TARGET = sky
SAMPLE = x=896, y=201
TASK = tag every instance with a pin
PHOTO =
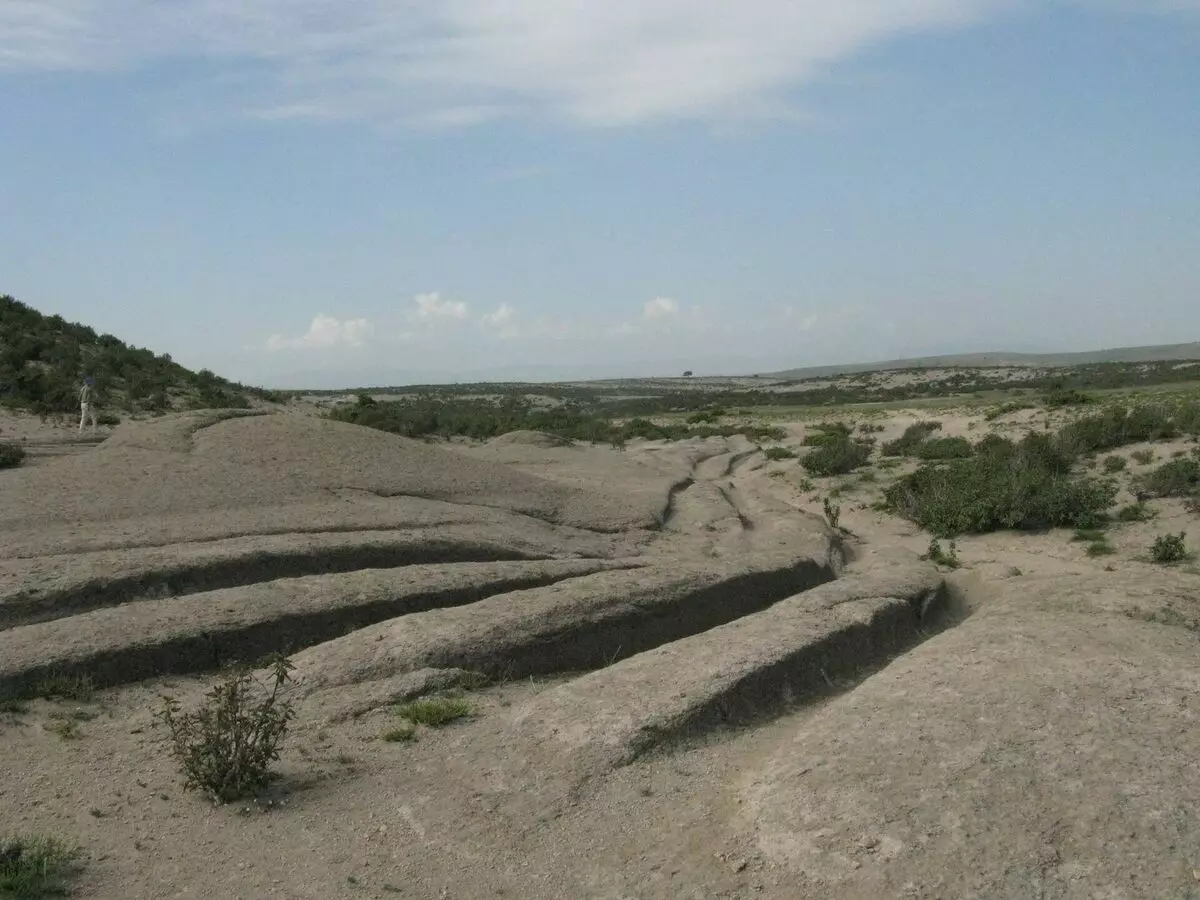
x=336, y=193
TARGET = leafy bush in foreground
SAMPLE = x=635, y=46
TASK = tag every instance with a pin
x=1114, y=464
x=1169, y=548
x=11, y=454
x=226, y=748
x=1024, y=486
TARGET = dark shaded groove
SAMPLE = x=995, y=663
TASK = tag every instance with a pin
x=727, y=496
x=811, y=671
x=210, y=650
x=184, y=578
x=588, y=643
x=668, y=512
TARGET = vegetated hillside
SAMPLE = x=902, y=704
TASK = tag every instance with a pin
x=1155, y=353
x=44, y=358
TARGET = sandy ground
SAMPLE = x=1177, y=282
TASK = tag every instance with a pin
x=1034, y=738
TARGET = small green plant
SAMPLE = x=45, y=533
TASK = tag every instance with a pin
x=1169, y=548
x=943, y=557
x=33, y=866
x=66, y=729
x=434, y=711
x=79, y=688
x=404, y=733
x=1135, y=512
x=1144, y=457
x=833, y=512
x=12, y=454
x=777, y=453
x=1101, y=548
x=1114, y=464
x=1088, y=535
x=226, y=747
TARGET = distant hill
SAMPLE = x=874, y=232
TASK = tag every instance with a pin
x=44, y=358
x=1156, y=353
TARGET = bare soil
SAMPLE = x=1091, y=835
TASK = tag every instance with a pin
x=697, y=688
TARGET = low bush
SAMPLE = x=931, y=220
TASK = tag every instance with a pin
x=914, y=435
x=12, y=454
x=1114, y=464
x=939, y=557
x=1169, y=548
x=1135, y=512
x=226, y=747
x=1024, y=486
x=1059, y=397
x=1004, y=409
x=837, y=456
x=1142, y=457
x=1177, y=478
x=778, y=453
x=434, y=711
x=825, y=432
x=1101, y=548
x=944, y=448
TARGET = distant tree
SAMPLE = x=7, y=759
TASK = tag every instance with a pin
x=687, y=374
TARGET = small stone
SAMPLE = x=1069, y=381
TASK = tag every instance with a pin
x=740, y=865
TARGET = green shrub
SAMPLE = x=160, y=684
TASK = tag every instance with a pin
x=826, y=432
x=1114, y=464
x=1169, y=548
x=434, y=711
x=1101, y=548
x=226, y=747
x=1006, y=408
x=837, y=456
x=34, y=866
x=914, y=435
x=1135, y=512
x=404, y=733
x=944, y=448
x=1144, y=457
x=1089, y=535
x=1058, y=397
x=777, y=453
x=12, y=454
x=1025, y=486
x=108, y=420
x=1177, y=478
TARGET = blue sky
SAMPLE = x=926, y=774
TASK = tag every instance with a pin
x=322, y=192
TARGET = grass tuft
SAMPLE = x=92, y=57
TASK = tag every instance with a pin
x=33, y=866
x=434, y=711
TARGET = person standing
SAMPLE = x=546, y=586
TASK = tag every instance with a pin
x=87, y=404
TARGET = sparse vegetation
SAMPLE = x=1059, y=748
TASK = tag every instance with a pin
x=12, y=454
x=1101, y=548
x=944, y=448
x=1006, y=408
x=1114, y=464
x=1176, y=478
x=1169, y=548
x=404, y=733
x=1135, y=512
x=1144, y=457
x=61, y=686
x=943, y=557
x=779, y=453
x=434, y=712
x=914, y=435
x=34, y=866
x=225, y=749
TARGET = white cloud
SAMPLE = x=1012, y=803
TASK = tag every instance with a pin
x=431, y=308
x=660, y=308
x=324, y=333
x=461, y=62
